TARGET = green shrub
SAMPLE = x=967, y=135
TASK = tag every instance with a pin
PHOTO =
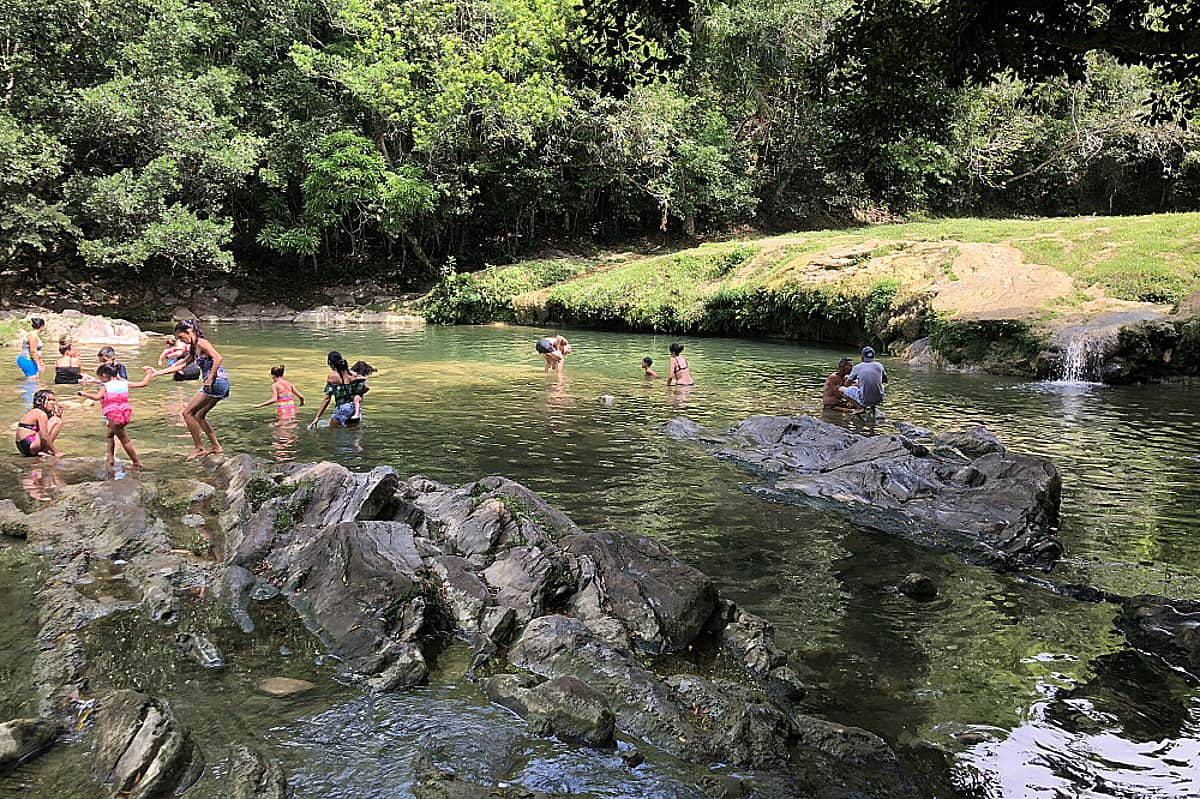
x=474, y=298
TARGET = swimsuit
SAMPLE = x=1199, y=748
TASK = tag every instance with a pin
x=683, y=368
x=343, y=399
x=115, y=405
x=67, y=375
x=220, y=384
x=25, y=360
x=285, y=406
x=25, y=445
x=545, y=346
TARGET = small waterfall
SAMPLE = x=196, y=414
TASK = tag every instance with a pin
x=1083, y=360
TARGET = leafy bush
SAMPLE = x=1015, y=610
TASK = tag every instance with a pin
x=474, y=298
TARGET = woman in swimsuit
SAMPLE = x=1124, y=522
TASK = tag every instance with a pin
x=68, y=369
x=339, y=387
x=213, y=389
x=679, y=373
x=39, y=426
x=30, y=359
x=283, y=395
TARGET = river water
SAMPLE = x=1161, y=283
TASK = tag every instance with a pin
x=1031, y=694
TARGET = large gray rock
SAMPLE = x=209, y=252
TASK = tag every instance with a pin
x=966, y=494
x=252, y=776
x=1169, y=628
x=142, y=751
x=563, y=706
x=21, y=739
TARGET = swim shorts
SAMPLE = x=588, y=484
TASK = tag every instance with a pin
x=853, y=393
x=545, y=346
x=342, y=413
x=27, y=365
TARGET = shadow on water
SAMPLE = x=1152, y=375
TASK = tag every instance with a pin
x=993, y=675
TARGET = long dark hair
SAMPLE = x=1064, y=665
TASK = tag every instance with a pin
x=189, y=326
x=363, y=368
x=338, y=364
x=39, y=399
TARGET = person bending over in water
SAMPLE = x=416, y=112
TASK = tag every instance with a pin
x=68, y=369
x=30, y=359
x=339, y=387
x=39, y=426
x=831, y=396
x=646, y=370
x=172, y=351
x=679, y=374
x=213, y=389
x=361, y=371
x=866, y=379
x=283, y=395
x=555, y=350
x=113, y=397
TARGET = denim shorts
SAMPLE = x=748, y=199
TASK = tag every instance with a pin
x=342, y=413
x=219, y=390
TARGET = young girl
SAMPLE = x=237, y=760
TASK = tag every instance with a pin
x=113, y=397
x=339, y=387
x=213, y=389
x=283, y=394
x=68, y=369
x=647, y=363
x=107, y=355
x=39, y=426
x=679, y=373
x=172, y=351
x=30, y=359
x=362, y=370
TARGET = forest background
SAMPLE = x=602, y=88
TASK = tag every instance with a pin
x=411, y=137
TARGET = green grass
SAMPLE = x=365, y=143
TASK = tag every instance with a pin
x=486, y=296
x=9, y=331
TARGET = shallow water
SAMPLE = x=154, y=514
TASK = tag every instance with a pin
x=1033, y=693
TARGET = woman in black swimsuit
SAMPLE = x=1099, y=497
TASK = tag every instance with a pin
x=68, y=369
x=39, y=426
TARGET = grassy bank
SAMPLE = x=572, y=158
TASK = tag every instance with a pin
x=984, y=289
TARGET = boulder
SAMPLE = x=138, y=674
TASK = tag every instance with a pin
x=433, y=782
x=284, y=686
x=966, y=494
x=252, y=776
x=563, y=706
x=22, y=739
x=918, y=586
x=1169, y=628
x=142, y=751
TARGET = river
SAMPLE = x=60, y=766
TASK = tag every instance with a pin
x=1032, y=694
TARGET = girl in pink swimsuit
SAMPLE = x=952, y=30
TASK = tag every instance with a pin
x=283, y=396
x=113, y=397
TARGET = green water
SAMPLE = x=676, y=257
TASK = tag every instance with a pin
x=1033, y=694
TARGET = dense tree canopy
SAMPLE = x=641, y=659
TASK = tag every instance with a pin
x=204, y=135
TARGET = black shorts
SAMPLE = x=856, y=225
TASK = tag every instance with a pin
x=545, y=346
x=25, y=446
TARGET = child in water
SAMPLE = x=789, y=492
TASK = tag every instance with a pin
x=283, y=395
x=646, y=370
x=172, y=351
x=107, y=355
x=361, y=371
x=113, y=397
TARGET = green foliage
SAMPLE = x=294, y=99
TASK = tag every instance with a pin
x=999, y=346
x=474, y=298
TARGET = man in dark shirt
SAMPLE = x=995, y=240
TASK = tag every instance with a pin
x=831, y=396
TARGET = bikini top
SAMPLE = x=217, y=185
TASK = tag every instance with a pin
x=205, y=362
x=28, y=426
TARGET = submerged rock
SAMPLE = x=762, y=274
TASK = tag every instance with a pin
x=21, y=739
x=1167, y=627
x=252, y=776
x=283, y=686
x=918, y=586
x=142, y=751
x=966, y=493
x=199, y=649
x=433, y=782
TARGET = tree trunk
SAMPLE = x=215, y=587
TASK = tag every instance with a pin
x=419, y=252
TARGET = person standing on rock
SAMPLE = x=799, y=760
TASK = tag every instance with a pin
x=867, y=379
x=213, y=389
x=30, y=359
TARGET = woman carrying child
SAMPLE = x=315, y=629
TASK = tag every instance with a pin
x=113, y=397
x=213, y=389
x=339, y=387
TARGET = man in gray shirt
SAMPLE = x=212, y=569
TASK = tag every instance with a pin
x=868, y=377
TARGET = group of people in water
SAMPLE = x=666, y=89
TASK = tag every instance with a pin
x=189, y=355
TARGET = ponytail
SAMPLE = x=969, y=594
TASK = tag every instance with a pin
x=190, y=326
x=338, y=364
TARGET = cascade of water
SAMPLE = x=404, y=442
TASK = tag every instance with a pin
x=1083, y=361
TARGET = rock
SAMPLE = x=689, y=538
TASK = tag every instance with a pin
x=252, y=776
x=662, y=603
x=22, y=739
x=199, y=649
x=745, y=729
x=142, y=751
x=283, y=686
x=461, y=589
x=752, y=641
x=918, y=586
x=193, y=520
x=725, y=786
x=607, y=400
x=1169, y=628
x=526, y=579
x=432, y=782
x=631, y=756
x=198, y=492
x=1002, y=513
x=563, y=706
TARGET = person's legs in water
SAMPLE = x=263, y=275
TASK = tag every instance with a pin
x=112, y=445
x=127, y=445
x=199, y=401
x=554, y=361
x=357, y=408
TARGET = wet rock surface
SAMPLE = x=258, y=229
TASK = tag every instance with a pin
x=142, y=751
x=963, y=491
x=1169, y=628
x=22, y=739
x=252, y=776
